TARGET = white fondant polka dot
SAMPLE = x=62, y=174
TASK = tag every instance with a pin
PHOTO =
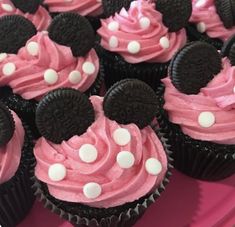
x=113, y=42
x=200, y=3
x=8, y=69
x=133, y=47
x=88, y=153
x=164, y=42
x=45, y=32
x=57, y=172
x=121, y=136
x=201, y=27
x=50, y=76
x=113, y=26
x=153, y=166
x=92, y=190
x=33, y=48
x=7, y=7
x=75, y=77
x=134, y=4
x=206, y=119
x=125, y=159
x=88, y=67
x=3, y=56
x=144, y=22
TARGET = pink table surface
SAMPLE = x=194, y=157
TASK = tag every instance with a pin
x=186, y=202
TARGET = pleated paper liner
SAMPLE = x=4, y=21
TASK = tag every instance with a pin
x=16, y=195
x=199, y=159
x=83, y=215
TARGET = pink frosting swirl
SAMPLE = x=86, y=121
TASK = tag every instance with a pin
x=28, y=80
x=204, y=11
x=142, y=24
x=118, y=185
x=83, y=7
x=217, y=97
x=41, y=18
x=10, y=154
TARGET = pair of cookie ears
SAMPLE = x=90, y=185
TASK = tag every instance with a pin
x=68, y=29
x=196, y=64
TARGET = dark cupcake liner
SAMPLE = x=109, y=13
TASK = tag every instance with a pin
x=16, y=195
x=194, y=35
x=199, y=159
x=116, y=69
x=125, y=215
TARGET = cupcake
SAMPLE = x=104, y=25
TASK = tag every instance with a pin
x=32, y=10
x=99, y=162
x=199, y=109
x=212, y=21
x=15, y=160
x=140, y=42
x=62, y=57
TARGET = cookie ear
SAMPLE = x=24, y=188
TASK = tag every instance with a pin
x=27, y=6
x=176, y=13
x=64, y=113
x=194, y=66
x=228, y=50
x=15, y=31
x=74, y=31
x=7, y=125
x=130, y=101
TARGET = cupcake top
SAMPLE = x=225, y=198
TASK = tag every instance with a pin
x=213, y=18
x=105, y=154
x=200, y=92
x=147, y=32
x=33, y=11
x=11, y=143
x=54, y=59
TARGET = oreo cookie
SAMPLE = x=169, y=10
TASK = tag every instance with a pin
x=27, y=6
x=176, y=13
x=64, y=113
x=7, y=125
x=15, y=31
x=130, y=101
x=232, y=55
x=228, y=49
x=194, y=66
x=74, y=31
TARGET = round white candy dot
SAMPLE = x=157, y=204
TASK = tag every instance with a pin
x=153, y=166
x=57, y=172
x=201, y=27
x=164, y=42
x=121, y=136
x=200, y=3
x=33, y=48
x=206, y=119
x=133, y=47
x=7, y=7
x=144, y=22
x=92, y=190
x=75, y=77
x=8, y=69
x=50, y=76
x=113, y=26
x=88, y=68
x=125, y=159
x=3, y=56
x=113, y=42
x=88, y=153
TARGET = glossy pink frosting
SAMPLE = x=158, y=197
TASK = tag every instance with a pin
x=28, y=78
x=207, y=14
x=217, y=97
x=10, y=154
x=119, y=185
x=41, y=19
x=83, y=7
x=148, y=38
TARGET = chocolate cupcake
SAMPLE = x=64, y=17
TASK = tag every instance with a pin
x=198, y=114
x=139, y=42
x=99, y=162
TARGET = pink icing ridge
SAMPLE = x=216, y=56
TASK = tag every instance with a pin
x=28, y=78
x=10, y=154
x=83, y=7
x=130, y=30
x=41, y=19
x=217, y=97
x=119, y=186
x=214, y=26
